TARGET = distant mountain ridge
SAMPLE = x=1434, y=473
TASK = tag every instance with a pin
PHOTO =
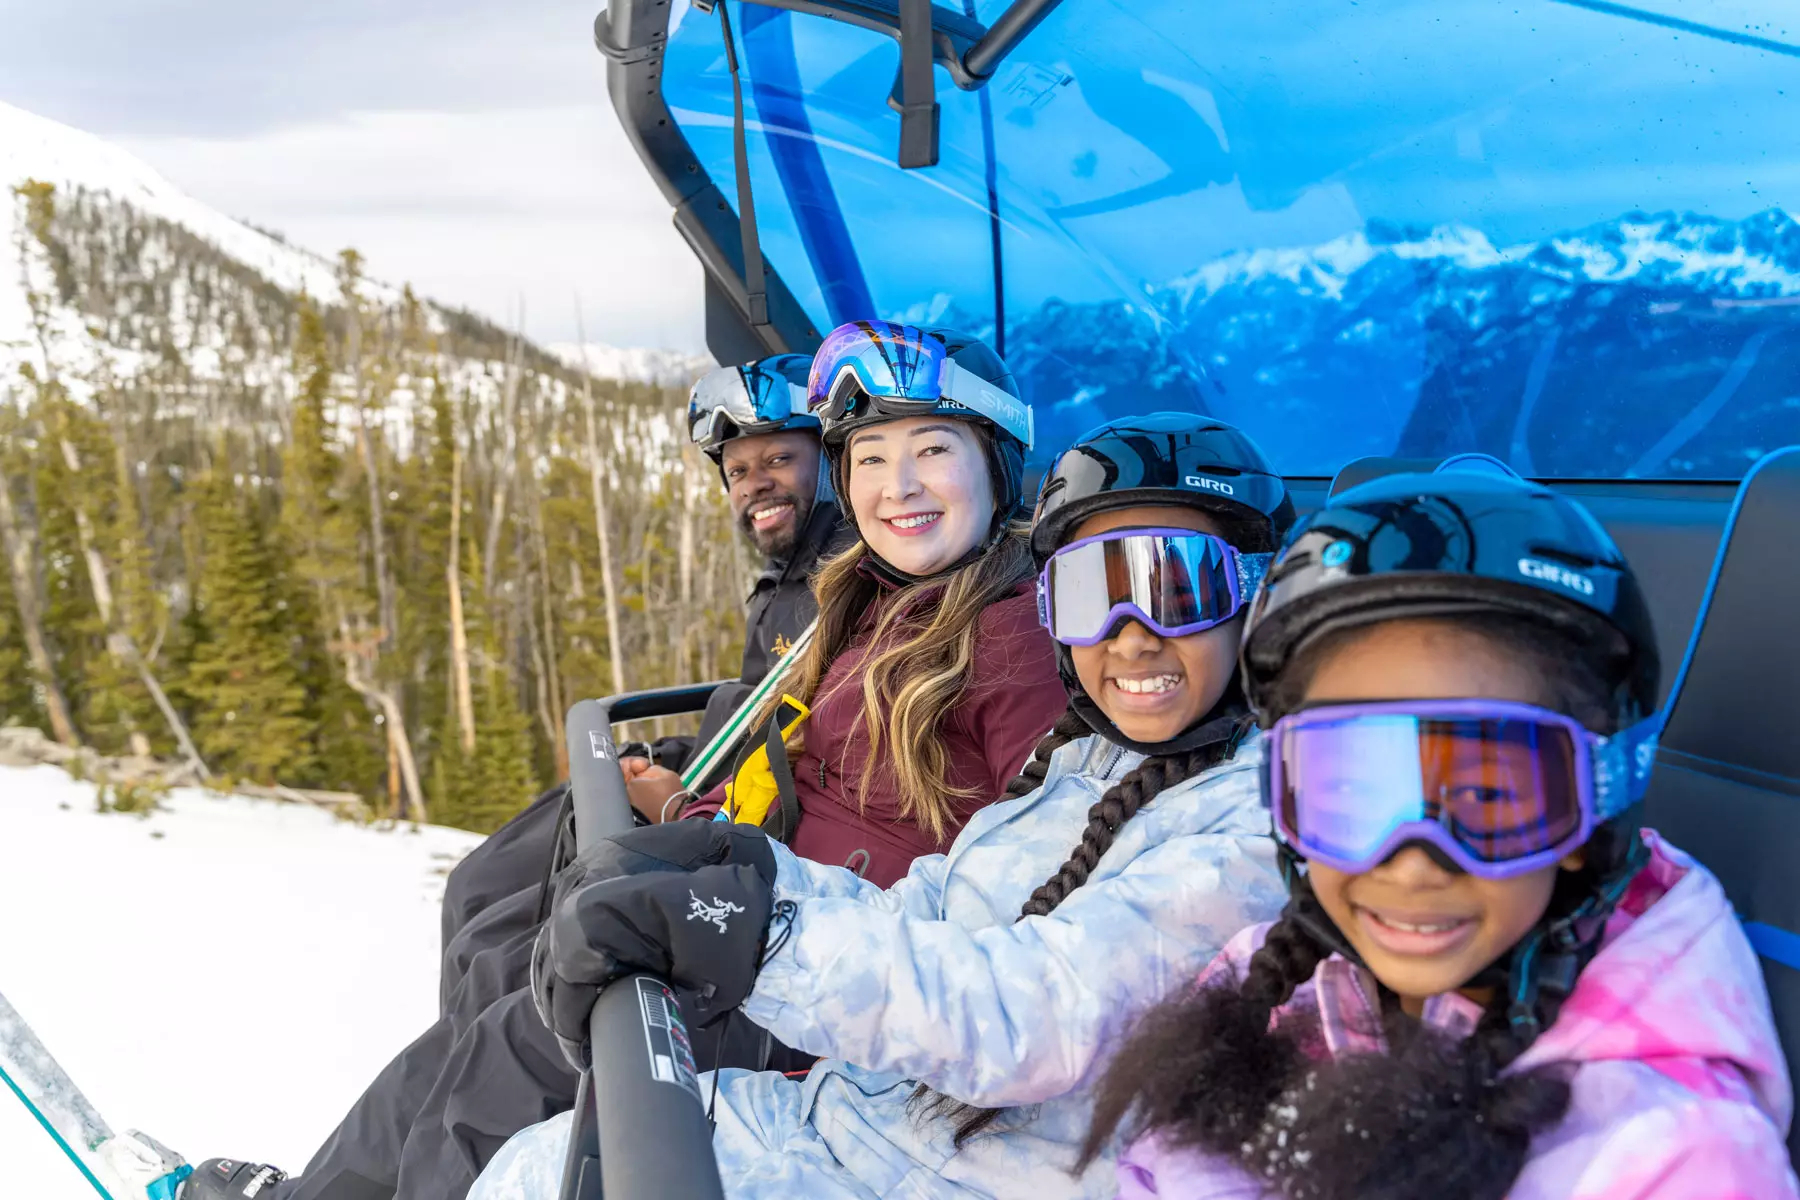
x=78, y=163
x=1650, y=344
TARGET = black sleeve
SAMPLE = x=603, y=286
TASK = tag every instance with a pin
x=673, y=752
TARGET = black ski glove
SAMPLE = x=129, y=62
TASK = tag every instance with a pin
x=692, y=911
x=675, y=846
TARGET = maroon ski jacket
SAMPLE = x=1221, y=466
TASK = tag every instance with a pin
x=1013, y=698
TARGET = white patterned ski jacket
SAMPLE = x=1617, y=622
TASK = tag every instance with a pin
x=934, y=981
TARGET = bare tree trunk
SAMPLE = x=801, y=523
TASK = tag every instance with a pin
x=393, y=775
x=549, y=676
x=686, y=628
x=541, y=684
x=355, y=652
x=119, y=642
x=365, y=444
x=608, y=591
x=459, y=631
x=20, y=547
x=507, y=454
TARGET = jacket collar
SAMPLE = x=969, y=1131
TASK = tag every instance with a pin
x=824, y=534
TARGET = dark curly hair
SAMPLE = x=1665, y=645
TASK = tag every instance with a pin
x=1433, y=1117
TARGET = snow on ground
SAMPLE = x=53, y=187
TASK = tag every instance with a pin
x=229, y=986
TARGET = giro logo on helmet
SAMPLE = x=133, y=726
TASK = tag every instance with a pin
x=1551, y=573
x=1211, y=485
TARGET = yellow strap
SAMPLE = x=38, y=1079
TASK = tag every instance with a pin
x=749, y=796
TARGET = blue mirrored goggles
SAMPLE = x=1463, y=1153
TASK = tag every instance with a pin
x=735, y=402
x=1501, y=789
x=1174, y=582
x=895, y=371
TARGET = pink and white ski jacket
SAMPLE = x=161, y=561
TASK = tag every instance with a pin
x=1680, y=1087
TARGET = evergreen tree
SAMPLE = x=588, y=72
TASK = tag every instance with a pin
x=250, y=718
x=322, y=572
x=108, y=698
x=18, y=698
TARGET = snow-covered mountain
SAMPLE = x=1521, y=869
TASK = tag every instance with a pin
x=1654, y=344
x=89, y=172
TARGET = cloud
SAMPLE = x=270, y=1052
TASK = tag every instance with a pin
x=202, y=68
x=471, y=208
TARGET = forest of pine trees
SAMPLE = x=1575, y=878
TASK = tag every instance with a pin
x=352, y=542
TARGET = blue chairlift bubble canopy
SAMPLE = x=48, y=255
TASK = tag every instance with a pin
x=1559, y=232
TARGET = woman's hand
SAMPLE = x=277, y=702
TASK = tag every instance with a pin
x=650, y=788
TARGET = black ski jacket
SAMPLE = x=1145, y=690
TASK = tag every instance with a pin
x=779, y=609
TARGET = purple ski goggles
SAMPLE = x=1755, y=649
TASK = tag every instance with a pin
x=1174, y=582
x=1500, y=788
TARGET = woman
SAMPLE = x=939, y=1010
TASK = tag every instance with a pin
x=928, y=658
x=1489, y=981
x=966, y=1011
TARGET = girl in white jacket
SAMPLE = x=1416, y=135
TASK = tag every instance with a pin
x=963, y=1014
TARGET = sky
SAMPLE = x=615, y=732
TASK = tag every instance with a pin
x=467, y=148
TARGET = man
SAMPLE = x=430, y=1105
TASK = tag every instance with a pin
x=488, y=1067
x=752, y=422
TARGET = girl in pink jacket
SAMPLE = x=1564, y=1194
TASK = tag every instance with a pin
x=1489, y=980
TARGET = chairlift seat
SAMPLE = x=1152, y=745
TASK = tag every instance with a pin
x=1727, y=782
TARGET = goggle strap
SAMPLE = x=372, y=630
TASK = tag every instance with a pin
x=1251, y=570
x=797, y=406
x=979, y=396
x=1622, y=766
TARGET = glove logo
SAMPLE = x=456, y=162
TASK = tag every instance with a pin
x=716, y=913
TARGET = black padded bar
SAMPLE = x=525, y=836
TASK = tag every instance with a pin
x=1004, y=36
x=641, y=1131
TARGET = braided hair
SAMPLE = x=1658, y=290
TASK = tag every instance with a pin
x=1108, y=815
x=1432, y=1117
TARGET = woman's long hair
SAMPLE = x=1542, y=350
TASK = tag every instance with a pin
x=926, y=636
x=1433, y=1117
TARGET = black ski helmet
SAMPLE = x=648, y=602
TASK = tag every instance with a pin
x=844, y=407
x=1472, y=537
x=1164, y=458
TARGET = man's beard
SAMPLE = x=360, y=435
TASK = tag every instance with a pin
x=778, y=543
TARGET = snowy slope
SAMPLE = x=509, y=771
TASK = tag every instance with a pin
x=231, y=985
x=670, y=368
x=34, y=147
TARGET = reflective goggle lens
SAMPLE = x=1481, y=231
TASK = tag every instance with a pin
x=1175, y=582
x=875, y=358
x=723, y=401
x=1504, y=789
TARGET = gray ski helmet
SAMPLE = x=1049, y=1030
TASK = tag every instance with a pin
x=1459, y=540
